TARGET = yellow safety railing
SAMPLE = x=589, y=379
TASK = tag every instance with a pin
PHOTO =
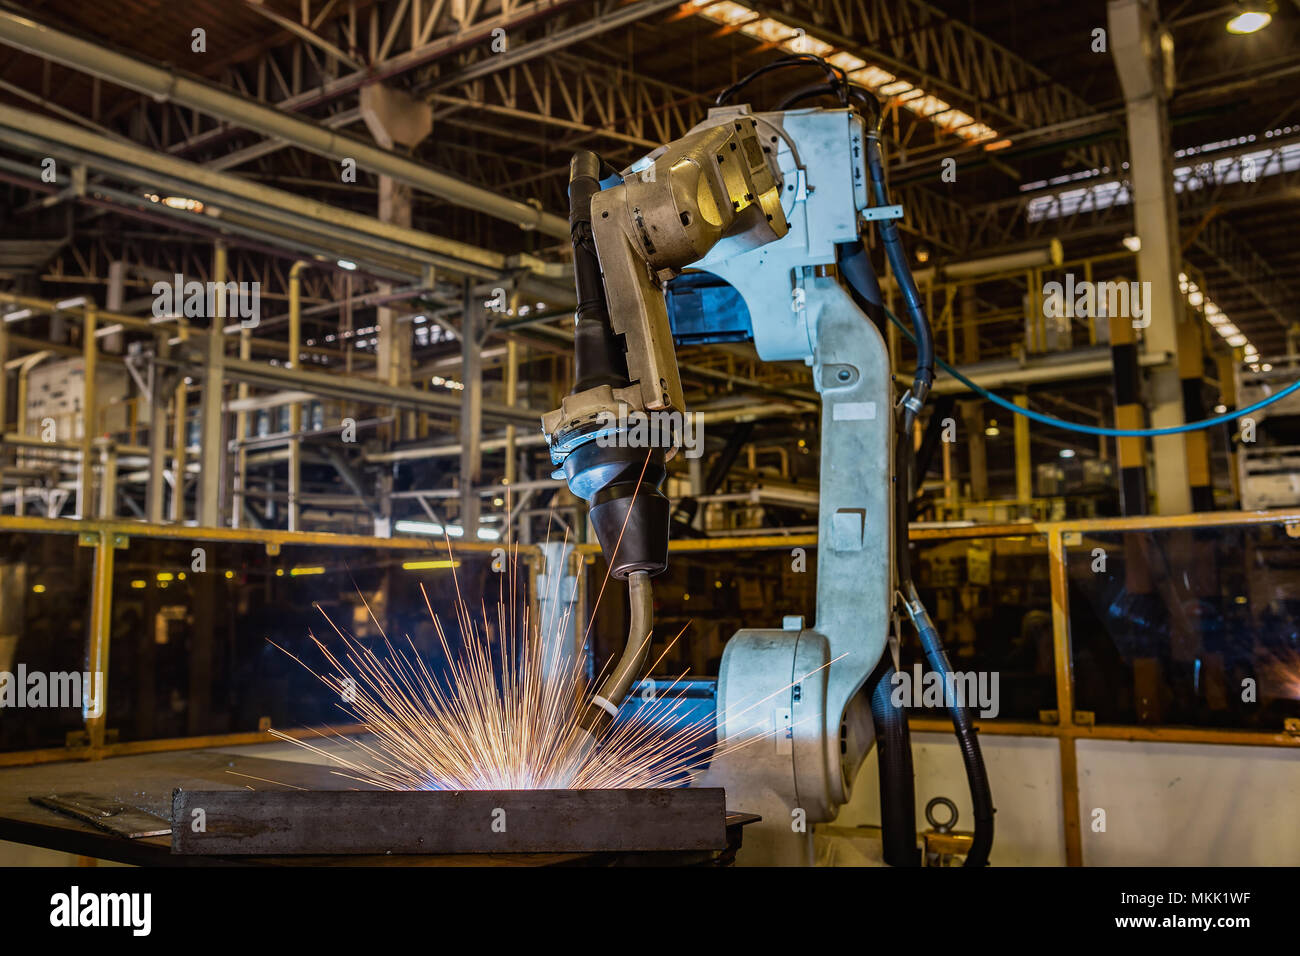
x=1064, y=723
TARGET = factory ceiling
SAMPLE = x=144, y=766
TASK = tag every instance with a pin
x=514, y=86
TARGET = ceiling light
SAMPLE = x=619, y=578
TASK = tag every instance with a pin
x=1132, y=243
x=1066, y=453
x=1253, y=17
x=347, y=264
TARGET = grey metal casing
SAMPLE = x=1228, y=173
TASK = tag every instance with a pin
x=795, y=775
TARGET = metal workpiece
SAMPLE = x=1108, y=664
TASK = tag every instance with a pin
x=309, y=822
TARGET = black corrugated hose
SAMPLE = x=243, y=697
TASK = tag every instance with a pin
x=897, y=780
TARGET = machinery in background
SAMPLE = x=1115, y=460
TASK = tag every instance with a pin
x=1268, y=463
x=766, y=202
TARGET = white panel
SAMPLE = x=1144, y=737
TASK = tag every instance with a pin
x=1024, y=773
x=1189, y=804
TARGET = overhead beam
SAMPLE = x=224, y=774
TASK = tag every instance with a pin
x=170, y=85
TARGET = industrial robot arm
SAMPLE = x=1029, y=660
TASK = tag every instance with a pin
x=770, y=204
x=714, y=184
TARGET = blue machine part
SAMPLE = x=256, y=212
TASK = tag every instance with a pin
x=703, y=309
x=686, y=704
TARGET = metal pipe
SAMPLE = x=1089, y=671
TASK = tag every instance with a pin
x=40, y=135
x=1053, y=254
x=640, y=595
x=179, y=437
x=156, y=490
x=512, y=389
x=95, y=705
x=107, y=480
x=90, y=351
x=166, y=85
x=25, y=365
x=295, y=410
x=212, y=451
x=4, y=380
x=452, y=450
x=241, y=430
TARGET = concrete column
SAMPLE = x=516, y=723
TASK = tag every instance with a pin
x=972, y=416
x=295, y=410
x=115, y=302
x=394, y=118
x=471, y=415
x=4, y=384
x=156, y=494
x=1144, y=60
x=212, y=452
x=90, y=356
x=970, y=335
x=179, y=440
x=1024, y=459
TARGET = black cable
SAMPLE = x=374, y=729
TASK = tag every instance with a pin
x=856, y=93
x=598, y=357
x=855, y=265
x=837, y=78
x=897, y=778
x=897, y=256
x=977, y=777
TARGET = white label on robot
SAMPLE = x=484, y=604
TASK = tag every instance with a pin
x=854, y=411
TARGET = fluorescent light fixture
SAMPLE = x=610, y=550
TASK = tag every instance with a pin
x=305, y=572
x=418, y=527
x=347, y=264
x=1066, y=453
x=1133, y=244
x=438, y=565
